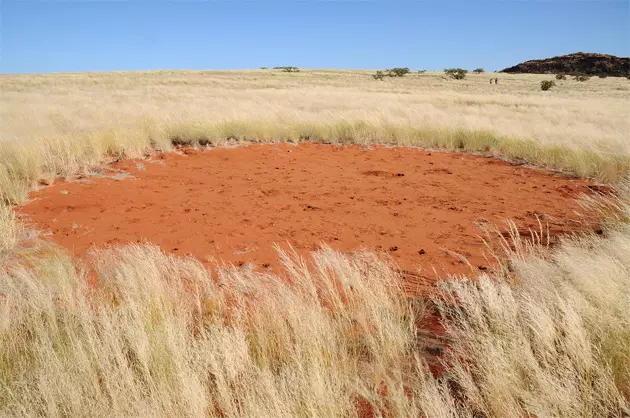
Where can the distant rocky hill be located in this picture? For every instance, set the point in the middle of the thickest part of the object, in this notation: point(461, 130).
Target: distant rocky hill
point(580, 62)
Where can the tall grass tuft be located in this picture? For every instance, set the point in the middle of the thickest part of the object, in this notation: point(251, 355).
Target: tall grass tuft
point(160, 335)
point(550, 336)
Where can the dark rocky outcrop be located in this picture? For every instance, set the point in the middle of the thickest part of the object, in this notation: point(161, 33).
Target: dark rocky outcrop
point(578, 63)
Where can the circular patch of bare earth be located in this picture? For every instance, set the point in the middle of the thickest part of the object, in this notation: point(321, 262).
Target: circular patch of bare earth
point(232, 205)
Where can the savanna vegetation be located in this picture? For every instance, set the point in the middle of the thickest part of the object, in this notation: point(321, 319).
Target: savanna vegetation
point(547, 84)
point(142, 332)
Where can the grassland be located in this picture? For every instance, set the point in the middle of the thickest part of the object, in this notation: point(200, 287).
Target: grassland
point(75, 118)
point(546, 335)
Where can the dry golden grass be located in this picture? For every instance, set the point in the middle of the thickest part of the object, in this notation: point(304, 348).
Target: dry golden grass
point(591, 114)
point(156, 335)
point(57, 123)
point(159, 335)
point(551, 338)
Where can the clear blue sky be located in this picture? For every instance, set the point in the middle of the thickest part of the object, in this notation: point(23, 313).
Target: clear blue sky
point(52, 36)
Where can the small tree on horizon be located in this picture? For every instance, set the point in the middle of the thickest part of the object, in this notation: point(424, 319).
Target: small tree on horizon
point(288, 69)
point(479, 70)
point(397, 71)
point(456, 73)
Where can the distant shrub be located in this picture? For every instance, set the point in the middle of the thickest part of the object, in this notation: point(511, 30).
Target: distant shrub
point(547, 84)
point(288, 69)
point(263, 68)
point(456, 73)
point(397, 71)
point(561, 77)
point(478, 70)
point(602, 75)
point(581, 77)
point(422, 71)
point(379, 75)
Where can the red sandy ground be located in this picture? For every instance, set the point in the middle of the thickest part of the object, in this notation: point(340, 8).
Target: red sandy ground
point(232, 204)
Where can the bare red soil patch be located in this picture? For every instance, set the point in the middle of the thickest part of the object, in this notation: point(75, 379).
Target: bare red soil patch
point(234, 204)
